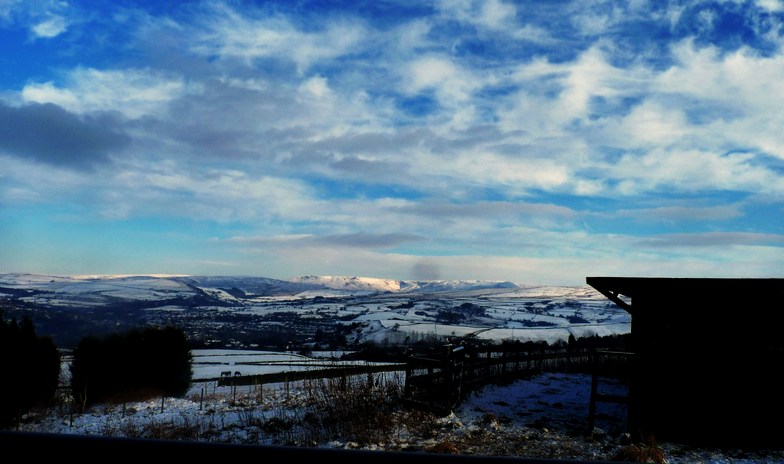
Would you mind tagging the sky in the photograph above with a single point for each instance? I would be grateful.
(532, 141)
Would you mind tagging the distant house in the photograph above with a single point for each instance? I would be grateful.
(709, 358)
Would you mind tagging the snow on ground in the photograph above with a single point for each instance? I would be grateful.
(351, 283)
(214, 371)
(545, 416)
(554, 334)
(549, 291)
(142, 287)
(210, 364)
(226, 355)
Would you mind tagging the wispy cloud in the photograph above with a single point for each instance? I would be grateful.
(354, 240)
(51, 27)
(131, 92)
(714, 239)
(685, 213)
(250, 36)
(44, 19)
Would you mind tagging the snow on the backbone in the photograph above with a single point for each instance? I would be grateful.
(346, 283)
(351, 283)
(152, 286)
(30, 280)
(141, 287)
(437, 286)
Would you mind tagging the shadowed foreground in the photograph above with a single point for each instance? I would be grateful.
(92, 448)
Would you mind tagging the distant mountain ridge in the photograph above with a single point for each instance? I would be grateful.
(390, 285)
(248, 310)
(160, 287)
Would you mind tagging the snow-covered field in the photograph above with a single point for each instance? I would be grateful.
(545, 416)
(210, 364)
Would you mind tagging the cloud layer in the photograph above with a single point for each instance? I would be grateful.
(521, 141)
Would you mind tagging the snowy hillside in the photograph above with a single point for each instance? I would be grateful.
(349, 283)
(328, 311)
(251, 286)
(152, 286)
(92, 289)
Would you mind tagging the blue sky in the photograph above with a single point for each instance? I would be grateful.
(535, 142)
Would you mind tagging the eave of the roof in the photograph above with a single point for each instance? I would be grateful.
(614, 287)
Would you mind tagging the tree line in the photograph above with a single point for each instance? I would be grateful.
(31, 369)
(130, 366)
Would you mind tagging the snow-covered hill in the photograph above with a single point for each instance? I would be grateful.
(251, 286)
(350, 283)
(96, 289)
(152, 291)
(241, 310)
(157, 286)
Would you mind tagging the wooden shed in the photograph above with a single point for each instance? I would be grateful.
(709, 358)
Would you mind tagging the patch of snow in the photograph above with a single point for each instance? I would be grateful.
(351, 283)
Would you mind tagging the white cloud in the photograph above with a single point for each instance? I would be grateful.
(533, 33)
(44, 18)
(27, 181)
(52, 27)
(491, 14)
(653, 124)
(316, 86)
(230, 34)
(743, 78)
(47, 93)
(132, 92)
(516, 174)
(772, 6)
(452, 85)
(590, 76)
(216, 194)
(700, 124)
(709, 100)
(553, 95)
(693, 170)
(595, 18)
(410, 36)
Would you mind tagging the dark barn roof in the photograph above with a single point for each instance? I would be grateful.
(709, 353)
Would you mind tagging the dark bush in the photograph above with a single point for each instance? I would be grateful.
(132, 366)
(31, 366)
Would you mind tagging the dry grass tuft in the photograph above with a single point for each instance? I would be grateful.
(444, 447)
(647, 450)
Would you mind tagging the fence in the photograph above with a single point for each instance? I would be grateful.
(440, 382)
